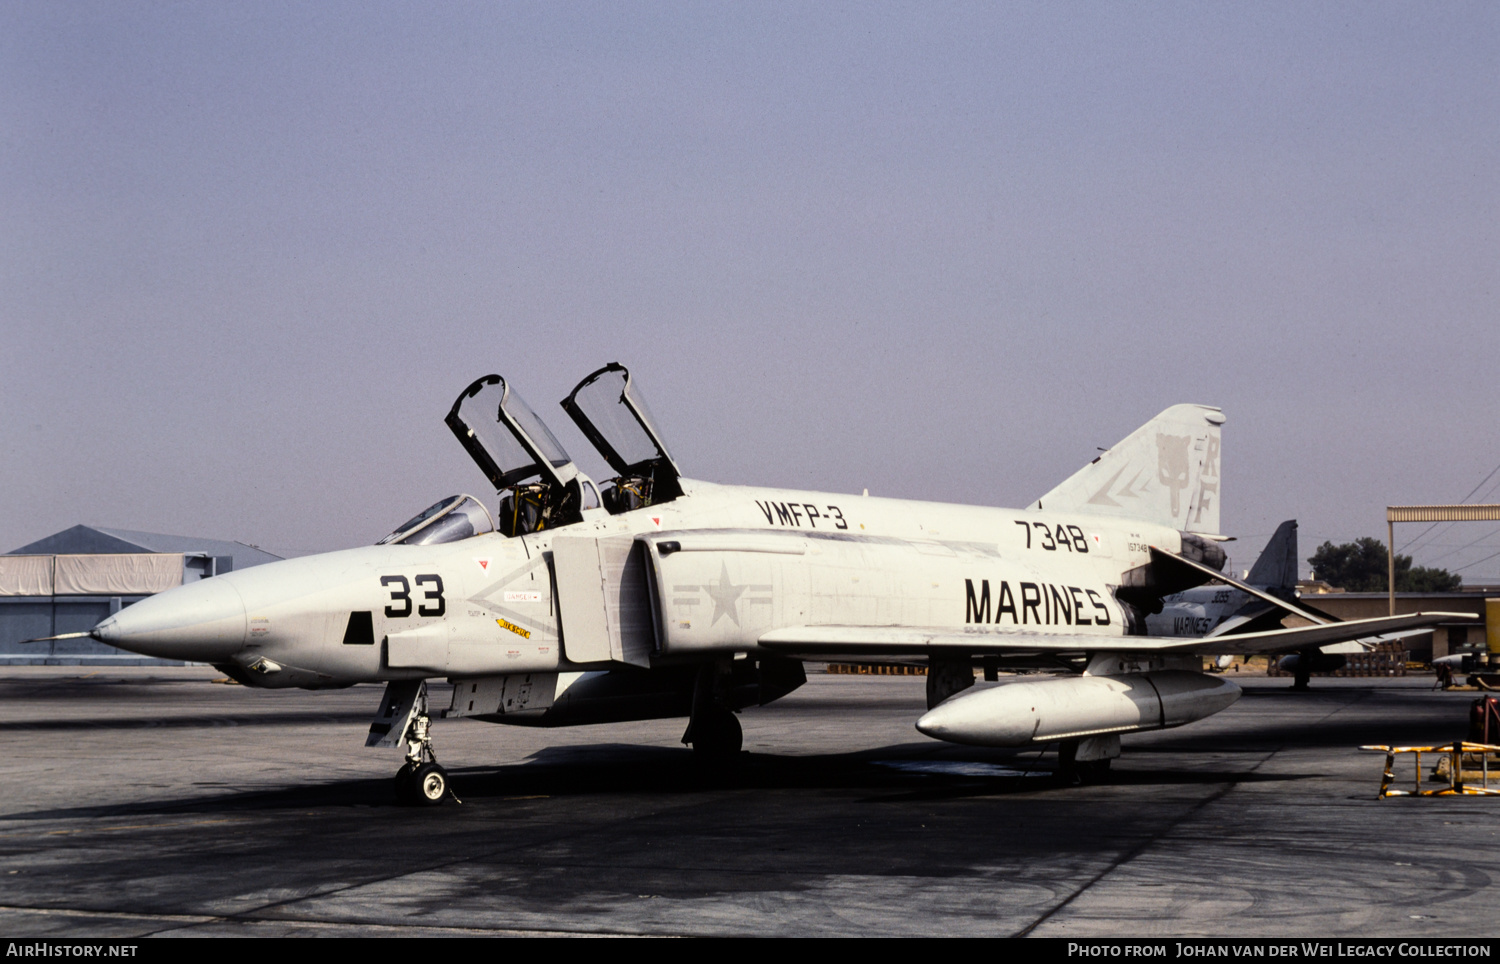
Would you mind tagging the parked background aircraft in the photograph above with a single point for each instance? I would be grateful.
(652, 595)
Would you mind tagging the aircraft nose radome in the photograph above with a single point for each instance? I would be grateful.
(202, 621)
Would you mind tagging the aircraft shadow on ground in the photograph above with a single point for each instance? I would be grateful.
(1251, 737)
(178, 722)
(888, 774)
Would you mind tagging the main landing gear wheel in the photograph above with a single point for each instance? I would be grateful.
(1092, 771)
(1084, 773)
(717, 735)
(1073, 772)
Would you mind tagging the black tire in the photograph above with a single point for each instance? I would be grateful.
(429, 785)
(1094, 771)
(718, 735)
(1073, 772)
(405, 785)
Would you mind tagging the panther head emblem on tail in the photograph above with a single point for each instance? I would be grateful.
(1172, 466)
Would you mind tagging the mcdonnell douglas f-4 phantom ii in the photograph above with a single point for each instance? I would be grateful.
(654, 596)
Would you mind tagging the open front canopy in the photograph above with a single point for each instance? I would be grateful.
(505, 437)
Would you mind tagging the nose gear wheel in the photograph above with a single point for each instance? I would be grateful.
(421, 781)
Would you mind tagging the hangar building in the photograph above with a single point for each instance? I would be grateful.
(69, 581)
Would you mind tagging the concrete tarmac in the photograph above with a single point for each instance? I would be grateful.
(145, 801)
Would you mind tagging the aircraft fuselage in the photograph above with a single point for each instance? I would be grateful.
(489, 605)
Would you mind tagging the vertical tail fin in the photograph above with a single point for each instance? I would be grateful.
(1166, 471)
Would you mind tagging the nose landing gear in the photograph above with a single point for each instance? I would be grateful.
(403, 718)
(421, 781)
(424, 785)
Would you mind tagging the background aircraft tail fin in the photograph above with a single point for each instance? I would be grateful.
(1166, 471)
(1277, 565)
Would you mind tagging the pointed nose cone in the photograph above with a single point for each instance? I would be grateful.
(956, 720)
(201, 622)
(996, 716)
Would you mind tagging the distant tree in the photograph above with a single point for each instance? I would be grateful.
(1360, 566)
(1426, 579)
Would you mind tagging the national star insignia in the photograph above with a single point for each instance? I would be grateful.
(725, 596)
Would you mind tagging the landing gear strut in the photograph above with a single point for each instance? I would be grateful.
(421, 781)
(715, 734)
(1087, 760)
(403, 718)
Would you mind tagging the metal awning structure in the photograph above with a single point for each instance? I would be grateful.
(1426, 513)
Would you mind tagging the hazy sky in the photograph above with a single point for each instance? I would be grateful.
(251, 252)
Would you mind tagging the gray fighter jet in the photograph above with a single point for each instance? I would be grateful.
(650, 595)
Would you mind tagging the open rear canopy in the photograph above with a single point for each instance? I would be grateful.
(614, 417)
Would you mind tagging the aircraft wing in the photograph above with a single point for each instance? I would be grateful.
(888, 641)
(1312, 637)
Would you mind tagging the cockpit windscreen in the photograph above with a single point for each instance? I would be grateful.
(454, 518)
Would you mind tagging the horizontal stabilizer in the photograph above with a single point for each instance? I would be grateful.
(1158, 555)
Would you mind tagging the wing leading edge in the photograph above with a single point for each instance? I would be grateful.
(813, 641)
